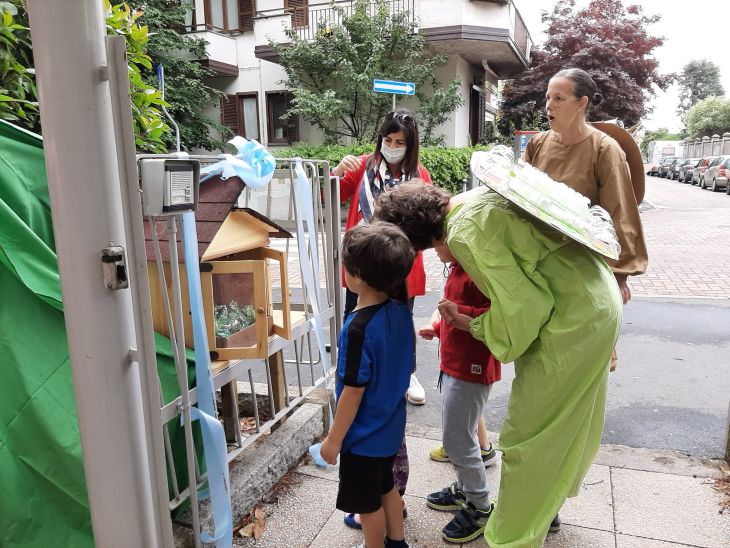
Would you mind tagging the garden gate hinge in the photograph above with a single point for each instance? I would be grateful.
(114, 265)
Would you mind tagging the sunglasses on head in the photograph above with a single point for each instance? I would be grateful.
(405, 119)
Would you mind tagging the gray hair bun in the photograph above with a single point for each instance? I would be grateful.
(597, 99)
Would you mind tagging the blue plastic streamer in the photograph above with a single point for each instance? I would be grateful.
(218, 480)
(206, 398)
(304, 205)
(214, 439)
(252, 164)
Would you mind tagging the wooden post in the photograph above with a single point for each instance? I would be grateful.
(229, 399)
(276, 368)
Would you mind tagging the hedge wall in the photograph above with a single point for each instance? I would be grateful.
(448, 167)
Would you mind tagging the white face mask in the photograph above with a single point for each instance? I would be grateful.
(392, 155)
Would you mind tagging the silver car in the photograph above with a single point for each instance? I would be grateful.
(715, 176)
(699, 171)
(684, 171)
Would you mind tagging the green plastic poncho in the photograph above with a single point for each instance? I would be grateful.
(556, 312)
(43, 498)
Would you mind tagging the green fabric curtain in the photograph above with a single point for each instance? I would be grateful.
(44, 500)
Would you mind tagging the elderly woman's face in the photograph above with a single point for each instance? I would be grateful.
(563, 108)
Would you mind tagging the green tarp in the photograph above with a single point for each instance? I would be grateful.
(43, 499)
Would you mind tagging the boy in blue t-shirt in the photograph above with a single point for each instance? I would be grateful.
(375, 360)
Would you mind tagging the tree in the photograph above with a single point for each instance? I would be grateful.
(18, 93)
(607, 40)
(699, 80)
(331, 76)
(709, 117)
(185, 87)
(149, 127)
(661, 134)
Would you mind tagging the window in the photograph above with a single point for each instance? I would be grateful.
(280, 130)
(240, 113)
(299, 10)
(231, 15)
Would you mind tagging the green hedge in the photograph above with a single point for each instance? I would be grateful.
(448, 167)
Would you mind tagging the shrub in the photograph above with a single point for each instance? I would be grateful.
(449, 167)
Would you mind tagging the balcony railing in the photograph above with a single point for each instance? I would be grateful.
(310, 21)
(521, 36)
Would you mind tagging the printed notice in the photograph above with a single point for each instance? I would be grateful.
(181, 187)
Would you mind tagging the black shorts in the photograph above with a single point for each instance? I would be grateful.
(363, 481)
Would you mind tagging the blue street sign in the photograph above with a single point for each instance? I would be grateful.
(523, 142)
(391, 86)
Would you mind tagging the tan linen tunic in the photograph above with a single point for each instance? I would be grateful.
(596, 167)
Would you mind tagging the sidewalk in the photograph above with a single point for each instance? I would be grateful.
(631, 498)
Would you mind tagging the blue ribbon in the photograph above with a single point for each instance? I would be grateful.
(218, 481)
(214, 439)
(252, 163)
(304, 205)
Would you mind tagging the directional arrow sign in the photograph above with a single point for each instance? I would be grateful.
(391, 86)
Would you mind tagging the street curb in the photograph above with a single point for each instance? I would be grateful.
(261, 465)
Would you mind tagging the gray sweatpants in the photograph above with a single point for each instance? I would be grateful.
(463, 403)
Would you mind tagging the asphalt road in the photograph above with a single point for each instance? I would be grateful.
(670, 390)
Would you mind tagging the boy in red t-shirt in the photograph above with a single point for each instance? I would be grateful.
(468, 370)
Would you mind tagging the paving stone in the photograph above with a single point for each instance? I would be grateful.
(296, 519)
(579, 537)
(626, 541)
(669, 508)
(593, 507)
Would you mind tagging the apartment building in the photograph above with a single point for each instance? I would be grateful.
(484, 41)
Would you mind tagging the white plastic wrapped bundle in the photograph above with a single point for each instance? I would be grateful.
(550, 201)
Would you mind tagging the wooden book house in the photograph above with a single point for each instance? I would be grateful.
(235, 275)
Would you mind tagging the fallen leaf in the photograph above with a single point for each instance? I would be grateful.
(247, 531)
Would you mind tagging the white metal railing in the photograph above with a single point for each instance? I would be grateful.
(296, 359)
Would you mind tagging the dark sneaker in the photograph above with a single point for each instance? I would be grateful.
(390, 543)
(449, 498)
(489, 456)
(468, 524)
(555, 524)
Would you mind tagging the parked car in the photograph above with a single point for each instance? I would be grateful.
(650, 168)
(674, 168)
(663, 168)
(684, 173)
(699, 170)
(715, 177)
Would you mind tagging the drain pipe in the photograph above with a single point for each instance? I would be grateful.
(86, 205)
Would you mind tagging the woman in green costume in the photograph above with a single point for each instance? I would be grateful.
(556, 312)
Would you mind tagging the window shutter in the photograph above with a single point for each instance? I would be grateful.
(299, 12)
(230, 117)
(292, 123)
(292, 129)
(246, 13)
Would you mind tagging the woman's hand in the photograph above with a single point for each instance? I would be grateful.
(348, 163)
(426, 332)
(623, 286)
(329, 450)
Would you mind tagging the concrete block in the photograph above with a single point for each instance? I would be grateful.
(656, 460)
(258, 468)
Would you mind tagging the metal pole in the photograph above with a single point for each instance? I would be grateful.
(84, 186)
(394, 101)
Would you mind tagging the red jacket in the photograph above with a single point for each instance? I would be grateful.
(462, 356)
(350, 188)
